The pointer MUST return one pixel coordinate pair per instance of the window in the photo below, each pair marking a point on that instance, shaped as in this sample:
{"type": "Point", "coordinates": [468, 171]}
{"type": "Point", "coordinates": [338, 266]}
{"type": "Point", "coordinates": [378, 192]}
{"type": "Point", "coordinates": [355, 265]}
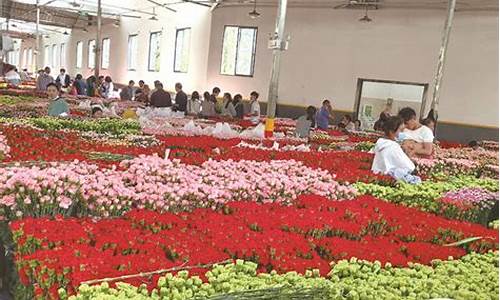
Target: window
{"type": "Point", "coordinates": [132, 52]}
{"type": "Point", "coordinates": [154, 51]}
{"type": "Point", "coordinates": [238, 51]}
{"type": "Point", "coordinates": [25, 58]}
{"type": "Point", "coordinates": [91, 56]}
{"type": "Point", "coordinates": [30, 58]}
{"type": "Point", "coordinates": [11, 57]}
{"type": "Point", "coordinates": [182, 44]}
{"type": "Point", "coordinates": [54, 56]}
{"type": "Point", "coordinates": [46, 56]}
{"type": "Point", "coordinates": [79, 54]}
{"type": "Point", "coordinates": [105, 53]}
{"type": "Point", "coordinates": [62, 55]}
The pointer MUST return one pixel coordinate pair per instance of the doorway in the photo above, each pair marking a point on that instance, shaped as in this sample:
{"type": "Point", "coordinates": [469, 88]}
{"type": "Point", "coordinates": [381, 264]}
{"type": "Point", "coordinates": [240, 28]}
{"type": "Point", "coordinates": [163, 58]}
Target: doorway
{"type": "Point", "coordinates": [373, 96]}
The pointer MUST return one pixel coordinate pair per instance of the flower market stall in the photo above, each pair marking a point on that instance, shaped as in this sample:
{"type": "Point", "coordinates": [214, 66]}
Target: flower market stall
{"type": "Point", "coordinates": [171, 207]}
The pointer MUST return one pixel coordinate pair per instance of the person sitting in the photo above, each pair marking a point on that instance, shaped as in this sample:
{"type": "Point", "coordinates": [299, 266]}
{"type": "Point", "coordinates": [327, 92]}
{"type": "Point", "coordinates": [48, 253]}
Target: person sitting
{"type": "Point", "coordinates": [12, 77]}
{"type": "Point", "coordinates": [384, 115]}
{"type": "Point", "coordinates": [44, 79]}
{"type": "Point", "coordinates": [100, 111]}
{"type": "Point", "coordinates": [254, 108]}
{"type": "Point", "coordinates": [155, 84]}
{"type": "Point", "coordinates": [228, 107]}
{"type": "Point", "coordinates": [346, 123]}
{"type": "Point", "coordinates": [238, 106]}
{"type": "Point", "coordinates": [194, 104]}
{"type": "Point", "coordinates": [325, 115]}
{"type": "Point", "coordinates": [161, 98]}
{"type": "Point", "coordinates": [58, 106]}
{"type": "Point", "coordinates": [357, 125]}
{"type": "Point", "coordinates": [390, 159]}
{"type": "Point", "coordinates": [207, 106]}
{"type": "Point", "coordinates": [138, 91]}
{"type": "Point", "coordinates": [215, 94]}
{"type": "Point", "coordinates": [99, 87]}
{"type": "Point", "coordinates": [91, 86]}
{"type": "Point", "coordinates": [107, 87]}
{"type": "Point", "coordinates": [144, 95]}
{"type": "Point", "coordinates": [80, 85]}
{"type": "Point", "coordinates": [63, 80]}
{"type": "Point", "coordinates": [180, 98]}
{"type": "Point", "coordinates": [128, 93]}
{"type": "Point", "coordinates": [417, 139]}
{"type": "Point", "coordinates": [429, 122]}
{"type": "Point", "coordinates": [306, 122]}
{"type": "Point", "coordinates": [25, 76]}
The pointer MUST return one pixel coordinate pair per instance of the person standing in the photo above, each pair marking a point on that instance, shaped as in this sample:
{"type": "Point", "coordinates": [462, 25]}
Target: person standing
{"type": "Point", "coordinates": [161, 98]}
{"type": "Point", "coordinates": [254, 107]}
{"type": "Point", "coordinates": [58, 106]}
{"type": "Point", "coordinates": [44, 79]}
{"type": "Point", "coordinates": [180, 98]}
{"type": "Point", "coordinates": [325, 115]}
{"type": "Point", "coordinates": [63, 80]}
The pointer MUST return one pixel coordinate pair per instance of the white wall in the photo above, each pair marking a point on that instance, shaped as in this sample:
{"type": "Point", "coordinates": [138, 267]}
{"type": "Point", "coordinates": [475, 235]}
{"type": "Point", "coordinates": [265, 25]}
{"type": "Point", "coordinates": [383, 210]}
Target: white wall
{"type": "Point", "coordinates": [330, 49]}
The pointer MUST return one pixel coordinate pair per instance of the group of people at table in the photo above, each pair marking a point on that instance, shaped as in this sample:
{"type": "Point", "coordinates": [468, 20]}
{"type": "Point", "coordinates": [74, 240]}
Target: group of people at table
{"type": "Point", "coordinates": [404, 136]}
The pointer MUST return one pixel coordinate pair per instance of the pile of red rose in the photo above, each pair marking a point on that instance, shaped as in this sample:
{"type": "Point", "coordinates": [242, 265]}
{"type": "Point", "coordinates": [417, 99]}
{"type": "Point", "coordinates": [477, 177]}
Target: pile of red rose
{"type": "Point", "coordinates": [309, 234]}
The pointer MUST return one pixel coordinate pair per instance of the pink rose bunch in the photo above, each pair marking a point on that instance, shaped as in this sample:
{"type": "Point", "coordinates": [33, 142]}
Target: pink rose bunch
{"type": "Point", "coordinates": [475, 197]}
{"type": "Point", "coordinates": [158, 184]}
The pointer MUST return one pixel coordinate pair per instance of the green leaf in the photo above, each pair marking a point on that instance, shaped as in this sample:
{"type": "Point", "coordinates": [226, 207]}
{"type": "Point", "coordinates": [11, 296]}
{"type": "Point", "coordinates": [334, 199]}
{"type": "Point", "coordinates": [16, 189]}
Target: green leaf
{"type": "Point", "coordinates": [465, 241]}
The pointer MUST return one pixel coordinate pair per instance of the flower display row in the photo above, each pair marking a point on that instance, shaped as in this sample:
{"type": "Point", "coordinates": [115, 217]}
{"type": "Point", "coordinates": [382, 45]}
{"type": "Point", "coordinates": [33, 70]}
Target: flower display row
{"type": "Point", "coordinates": [159, 184]}
{"type": "Point", "coordinates": [462, 197]}
{"type": "Point", "coordinates": [110, 126]}
{"type": "Point", "coordinates": [348, 166]}
{"type": "Point", "coordinates": [62, 253]}
{"type": "Point", "coordinates": [28, 145]}
{"type": "Point", "coordinates": [472, 277]}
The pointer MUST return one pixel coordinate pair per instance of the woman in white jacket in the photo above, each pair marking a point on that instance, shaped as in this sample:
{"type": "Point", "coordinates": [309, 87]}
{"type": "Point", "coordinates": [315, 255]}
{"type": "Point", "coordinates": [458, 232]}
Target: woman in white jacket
{"type": "Point", "coordinates": [390, 159]}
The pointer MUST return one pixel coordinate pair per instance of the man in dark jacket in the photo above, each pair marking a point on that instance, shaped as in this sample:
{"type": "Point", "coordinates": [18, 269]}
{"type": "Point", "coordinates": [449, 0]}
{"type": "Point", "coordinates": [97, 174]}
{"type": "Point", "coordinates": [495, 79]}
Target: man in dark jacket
{"type": "Point", "coordinates": [180, 98]}
{"type": "Point", "coordinates": [161, 98]}
{"type": "Point", "coordinates": [63, 79]}
{"type": "Point", "coordinates": [128, 92]}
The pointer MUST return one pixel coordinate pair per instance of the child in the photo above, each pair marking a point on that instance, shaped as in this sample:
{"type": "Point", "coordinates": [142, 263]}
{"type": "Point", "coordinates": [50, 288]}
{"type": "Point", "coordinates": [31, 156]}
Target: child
{"type": "Point", "coordinates": [389, 157]}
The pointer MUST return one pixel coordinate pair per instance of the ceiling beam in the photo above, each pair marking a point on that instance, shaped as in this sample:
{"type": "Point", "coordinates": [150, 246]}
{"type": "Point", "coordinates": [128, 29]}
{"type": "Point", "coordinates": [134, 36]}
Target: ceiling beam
{"type": "Point", "coordinates": [215, 5]}
{"type": "Point", "coordinates": [162, 5]}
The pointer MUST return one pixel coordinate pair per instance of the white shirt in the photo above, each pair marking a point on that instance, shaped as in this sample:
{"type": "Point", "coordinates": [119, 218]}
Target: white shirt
{"type": "Point", "coordinates": [420, 135]}
{"type": "Point", "coordinates": [61, 78]}
{"type": "Point", "coordinates": [390, 158]}
{"type": "Point", "coordinates": [255, 112]}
